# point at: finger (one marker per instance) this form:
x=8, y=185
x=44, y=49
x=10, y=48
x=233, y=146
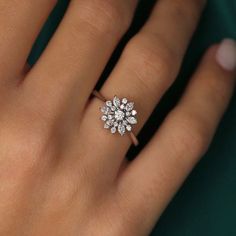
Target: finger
x=20, y=23
x=153, y=178
x=148, y=66
x=77, y=54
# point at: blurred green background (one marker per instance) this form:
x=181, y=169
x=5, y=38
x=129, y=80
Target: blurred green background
x=206, y=204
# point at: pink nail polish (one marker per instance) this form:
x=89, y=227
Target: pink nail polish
x=226, y=54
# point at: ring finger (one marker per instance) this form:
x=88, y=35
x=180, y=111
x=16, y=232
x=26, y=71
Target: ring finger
x=148, y=66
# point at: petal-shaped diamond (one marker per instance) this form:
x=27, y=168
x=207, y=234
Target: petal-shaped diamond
x=129, y=106
x=121, y=129
x=113, y=130
x=132, y=120
x=116, y=101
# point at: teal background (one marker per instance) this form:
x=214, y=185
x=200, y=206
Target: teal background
x=206, y=204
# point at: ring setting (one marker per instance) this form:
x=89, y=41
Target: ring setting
x=119, y=115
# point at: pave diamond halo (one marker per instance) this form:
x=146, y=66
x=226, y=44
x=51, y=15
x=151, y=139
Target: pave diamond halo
x=119, y=115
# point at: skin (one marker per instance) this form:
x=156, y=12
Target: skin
x=61, y=173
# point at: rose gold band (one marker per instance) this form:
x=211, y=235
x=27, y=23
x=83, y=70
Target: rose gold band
x=133, y=138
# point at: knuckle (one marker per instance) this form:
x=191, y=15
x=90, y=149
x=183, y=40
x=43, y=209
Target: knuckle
x=105, y=16
x=152, y=54
x=150, y=62
x=191, y=139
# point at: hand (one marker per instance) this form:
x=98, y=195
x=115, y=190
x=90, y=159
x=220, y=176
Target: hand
x=61, y=172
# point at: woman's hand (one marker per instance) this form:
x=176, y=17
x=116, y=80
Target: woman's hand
x=61, y=173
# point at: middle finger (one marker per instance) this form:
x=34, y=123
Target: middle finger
x=78, y=52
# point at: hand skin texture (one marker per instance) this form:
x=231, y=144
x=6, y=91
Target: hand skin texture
x=61, y=173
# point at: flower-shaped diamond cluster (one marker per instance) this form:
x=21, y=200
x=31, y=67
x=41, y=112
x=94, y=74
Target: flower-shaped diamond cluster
x=119, y=115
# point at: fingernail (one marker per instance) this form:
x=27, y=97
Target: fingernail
x=226, y=54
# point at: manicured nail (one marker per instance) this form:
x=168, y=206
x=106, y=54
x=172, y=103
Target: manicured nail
x=226, y=54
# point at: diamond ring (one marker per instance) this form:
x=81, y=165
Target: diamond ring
x=118, y=115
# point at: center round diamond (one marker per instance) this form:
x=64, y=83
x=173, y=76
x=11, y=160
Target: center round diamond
x=119, y=115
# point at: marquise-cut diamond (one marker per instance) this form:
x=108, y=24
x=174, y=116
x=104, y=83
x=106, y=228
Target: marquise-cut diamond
x=132, y=120
x=116, y=101
x=119, y=115
x=129, y=106
x=113, y=130
x=121, y=129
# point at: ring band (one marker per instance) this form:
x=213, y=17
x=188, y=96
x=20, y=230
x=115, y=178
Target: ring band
x=118, y=115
